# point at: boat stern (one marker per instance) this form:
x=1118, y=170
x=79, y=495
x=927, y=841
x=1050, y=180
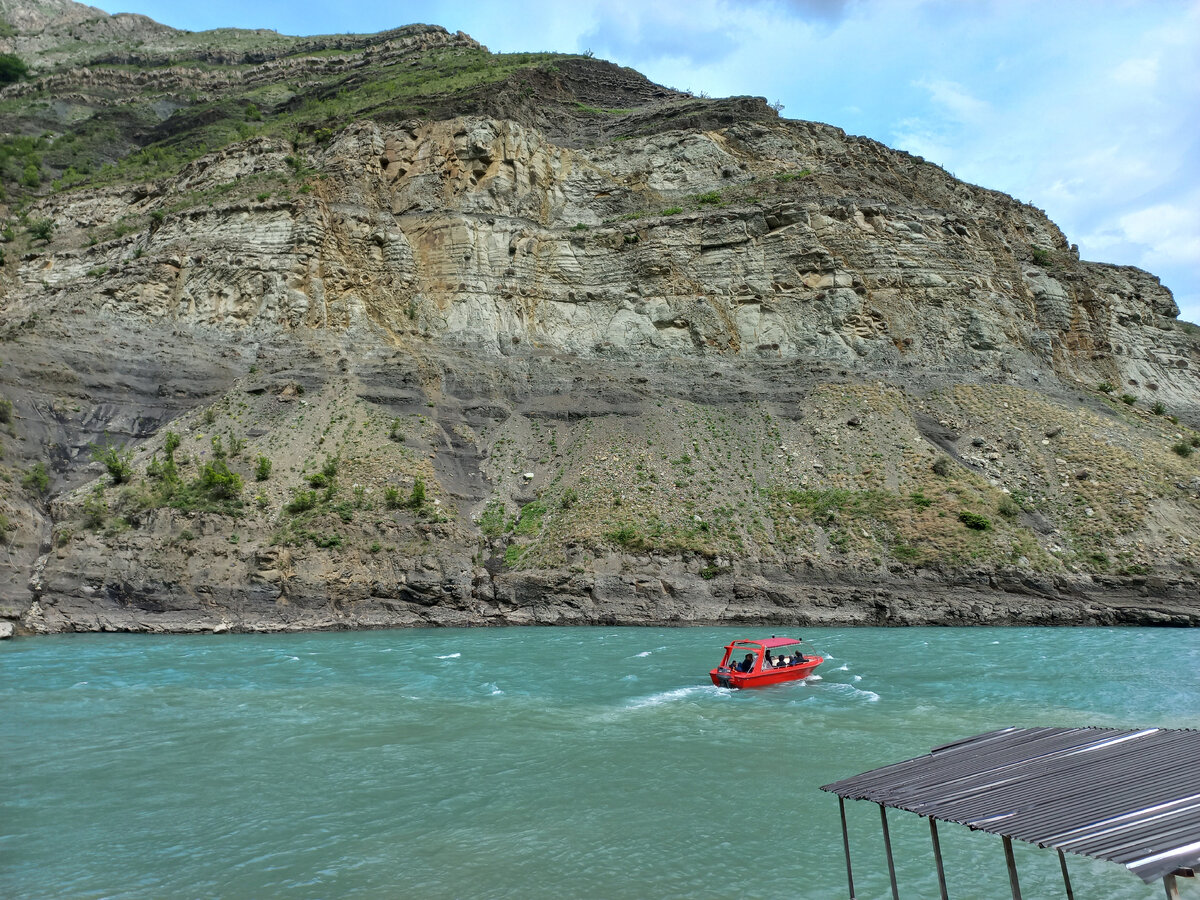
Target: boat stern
x=720, y=676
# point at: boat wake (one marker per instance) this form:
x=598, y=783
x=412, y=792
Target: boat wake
x=673, y=696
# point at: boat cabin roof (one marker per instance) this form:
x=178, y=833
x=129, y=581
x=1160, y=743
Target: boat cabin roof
x=767, y=643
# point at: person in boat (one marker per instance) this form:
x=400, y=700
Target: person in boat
x=746, y=664
x=768, y=661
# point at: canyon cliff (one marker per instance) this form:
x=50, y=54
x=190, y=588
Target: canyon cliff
x=376, y=330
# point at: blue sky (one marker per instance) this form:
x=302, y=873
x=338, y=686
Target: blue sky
x=1089, y=109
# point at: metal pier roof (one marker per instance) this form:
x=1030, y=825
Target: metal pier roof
x=1126, y=796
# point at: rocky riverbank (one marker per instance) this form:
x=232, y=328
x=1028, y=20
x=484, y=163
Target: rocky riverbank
x=631, y=595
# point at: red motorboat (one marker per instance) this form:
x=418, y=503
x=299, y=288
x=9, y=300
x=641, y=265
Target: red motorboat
x=759, y=663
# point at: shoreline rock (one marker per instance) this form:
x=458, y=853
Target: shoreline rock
x=565, y=599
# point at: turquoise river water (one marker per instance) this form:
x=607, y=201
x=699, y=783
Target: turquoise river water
x=530, y=763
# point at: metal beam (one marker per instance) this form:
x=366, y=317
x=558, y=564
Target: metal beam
x=887, y=845
x=1012, y=868
x=1062, y=861
x=846, y=846
x=1171, y=886
x=1066, y=876
x=937, y=855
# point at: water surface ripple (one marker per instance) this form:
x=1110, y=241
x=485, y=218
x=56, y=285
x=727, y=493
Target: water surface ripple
x=528, y=763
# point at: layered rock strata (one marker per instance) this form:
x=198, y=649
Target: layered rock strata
x=730, y=369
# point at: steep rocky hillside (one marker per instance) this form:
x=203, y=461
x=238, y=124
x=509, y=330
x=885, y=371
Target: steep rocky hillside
x=388, y=329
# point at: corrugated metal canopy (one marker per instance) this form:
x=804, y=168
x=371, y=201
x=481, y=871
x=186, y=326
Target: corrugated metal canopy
x=1131, y=797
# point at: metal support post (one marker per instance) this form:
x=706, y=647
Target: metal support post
x=1171, y=886
x=846, y=846
x=1012, y=868
x=1062, y=861
x=887, y=845
x=937, y=855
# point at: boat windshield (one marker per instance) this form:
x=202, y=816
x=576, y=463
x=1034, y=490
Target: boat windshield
x=743, y=659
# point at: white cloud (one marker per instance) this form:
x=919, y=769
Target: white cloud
x=956, y=100
x=1170, y=231
x=703, y=34
x=1138, y=73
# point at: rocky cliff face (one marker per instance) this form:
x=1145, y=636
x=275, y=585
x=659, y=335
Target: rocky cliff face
x=567, y=347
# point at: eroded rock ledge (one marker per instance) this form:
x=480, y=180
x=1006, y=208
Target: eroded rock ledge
x=768, y=598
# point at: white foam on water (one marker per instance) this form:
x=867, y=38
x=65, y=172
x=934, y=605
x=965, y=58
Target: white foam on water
x=854, y=693
x=294, y=658
x=386, y=650
x=858, y=678
x=845, y=668
x=79, y=684
x=644, y=653
x=450, y=656
x=495, y=688
x=814, y=678
x=668, y=696
x=630, y=678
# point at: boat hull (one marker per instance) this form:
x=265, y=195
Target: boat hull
x=732, y=679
